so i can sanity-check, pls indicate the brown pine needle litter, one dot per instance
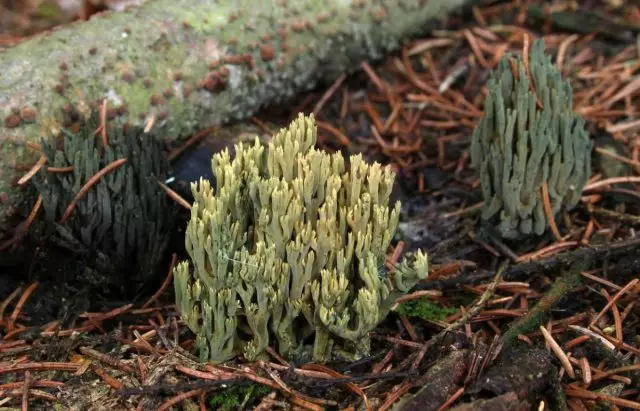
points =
(486, 301)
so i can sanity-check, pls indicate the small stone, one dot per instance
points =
(299, 25)
(240, 59)
(379, 14)
(28, 114)
(323, 17)
(267, 53)
(155, 100)
(214, 83)
(234, 15)
(12, 121)
(128, 77)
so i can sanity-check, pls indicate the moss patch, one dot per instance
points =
(425, 309)
(237, 397)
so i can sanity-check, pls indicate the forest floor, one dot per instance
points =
(546, 323)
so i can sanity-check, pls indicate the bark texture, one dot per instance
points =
(188, 63)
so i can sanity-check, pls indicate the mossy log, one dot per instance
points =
(189, 64)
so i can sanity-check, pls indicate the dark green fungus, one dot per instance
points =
(528, 136)
(123, 222)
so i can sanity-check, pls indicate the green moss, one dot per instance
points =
(47, 10)
(425, 309)
(237, 397)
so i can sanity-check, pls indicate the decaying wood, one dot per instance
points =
(188, 65)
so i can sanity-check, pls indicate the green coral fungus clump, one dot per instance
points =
(290, 246)
(519, 146)
(122, 225)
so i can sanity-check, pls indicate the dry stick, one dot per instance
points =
(327, 95)
(103, 124)
(525, 61)
(613, 180)
(619, 294)
(585, 369)
(104, 358)
(562, 50)
(192, 140)
(36, 167)
(482, 301)
(620, 158)
(92, 181)
(548, 210)
(178, 399)
(526, 269)
(617, 320)
(563, 285)
(622, 217)
(335, 132)
(579, 392)
(23, 299)
(108, 379)
(25, 391)
(7, 301)
(564, 360)
(21, 232)
(353, 387)
(174, 196)
(265, 128)
(280, 385)
(40, 366)
(453, 398)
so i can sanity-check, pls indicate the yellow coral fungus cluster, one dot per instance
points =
(288, 246)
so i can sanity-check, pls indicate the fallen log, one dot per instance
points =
(186, 64)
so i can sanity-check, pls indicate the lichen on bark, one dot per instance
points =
(189, 64)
